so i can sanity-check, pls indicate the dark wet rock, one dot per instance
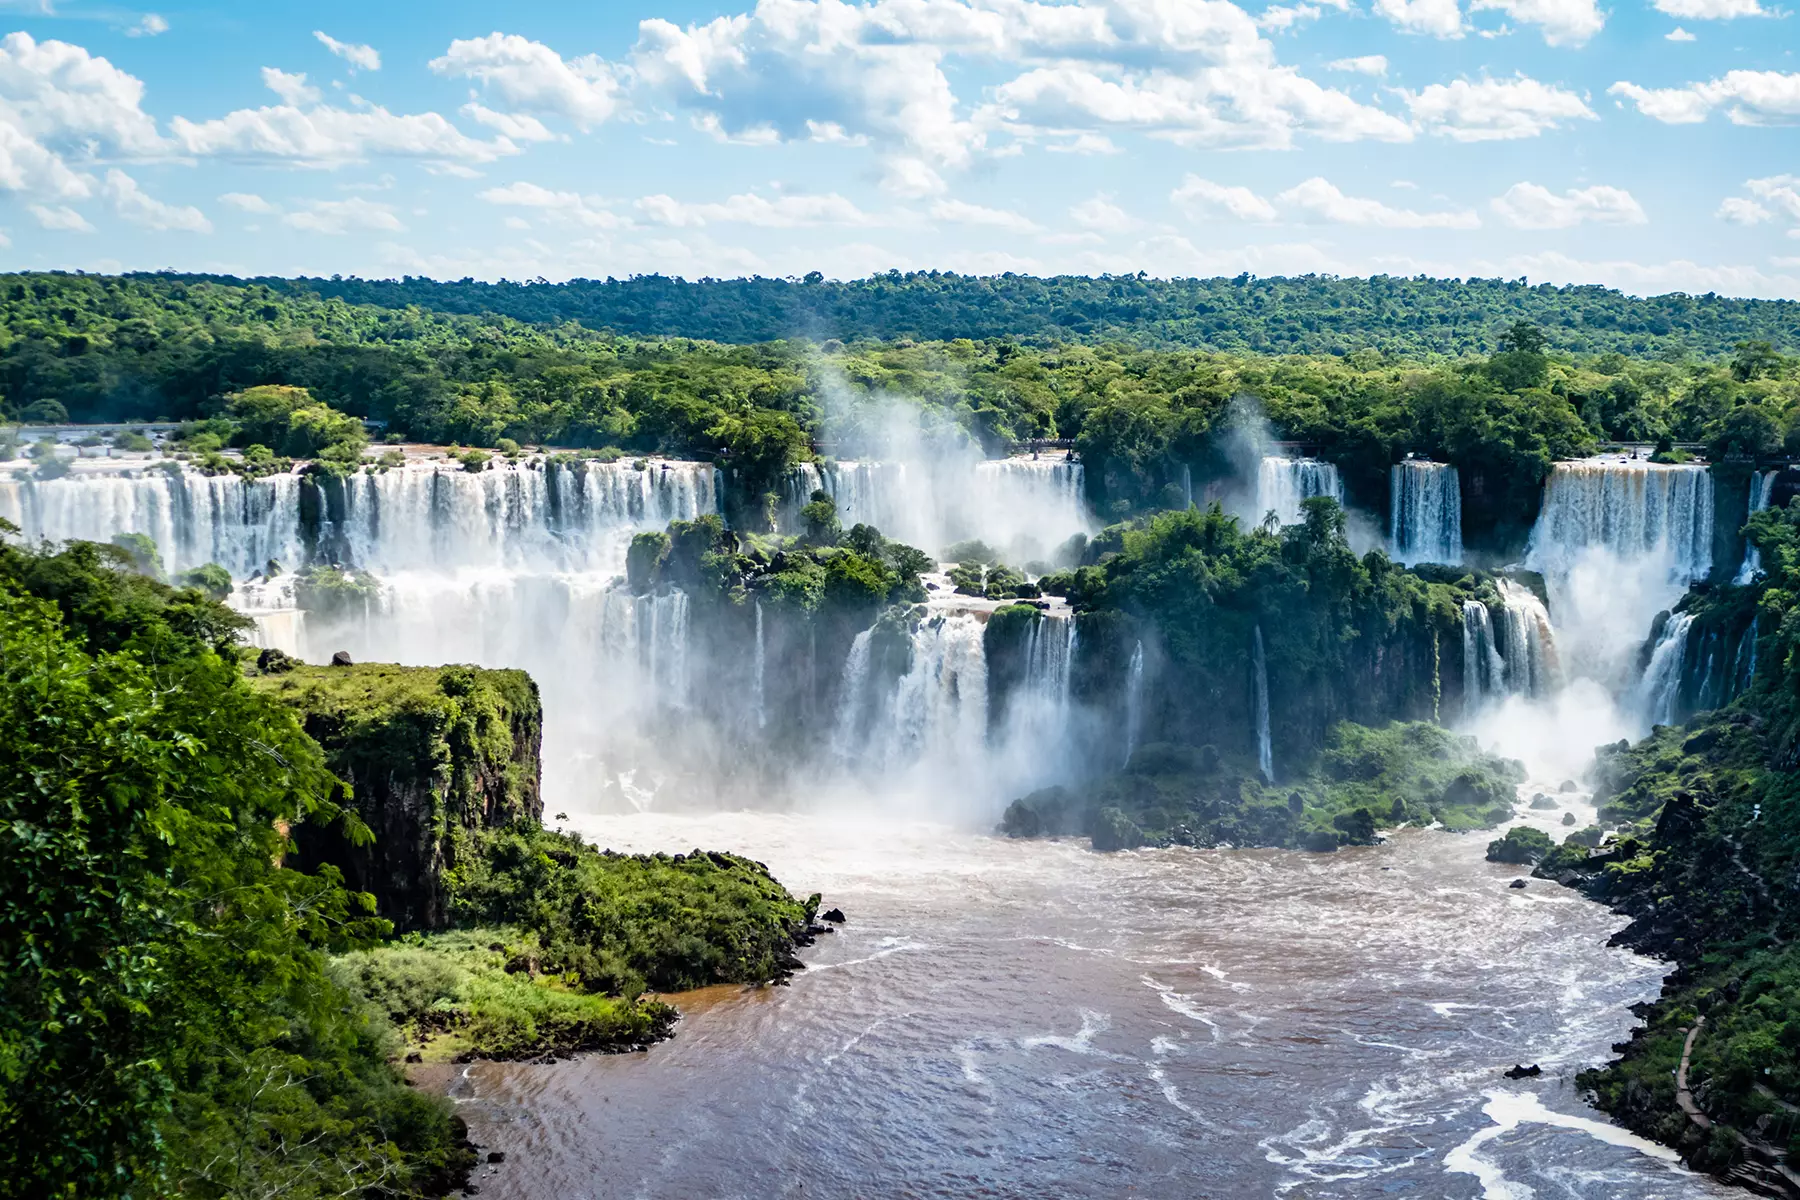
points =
(1518, 1071)
(1542, 802)
(1517, 883)
(496, 1156)
(1568, 818)
(414, 1056)
(834, 915)
(1568, 785)
(273, 662)
(341, 659)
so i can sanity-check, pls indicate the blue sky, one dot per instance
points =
(1647, 144)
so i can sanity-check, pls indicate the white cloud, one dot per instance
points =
(1781, 191)
(1748, 97)
(360, 57)
(748, 208)
(520, 127)
(1280, 17)
(341, 216)
(583, 210)
(149, 25)
(534, 78)
(1438, 18)
(302, 131)
(1495, 109)
(959, 212)
(912, 178)
(1321, 200)
(1366, 64)
(61, 219)
(140, 208)
(1740, 211)
(1100, 215)
(293, 89)
(1531, 206)
(247, 202)
(1678, 34)
(1711, 10)
(1201, 198)
(61, 107)
(1563, 22)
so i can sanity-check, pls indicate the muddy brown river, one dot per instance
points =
(1032, 1019)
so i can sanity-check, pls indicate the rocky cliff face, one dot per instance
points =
(423, 754)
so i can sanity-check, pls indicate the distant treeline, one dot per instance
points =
(1308, 314)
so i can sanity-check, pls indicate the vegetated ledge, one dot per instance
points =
(1409, 773)
(517, 942)
(1703, 863)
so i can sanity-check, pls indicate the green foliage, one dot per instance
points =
(168, 1025)
(213, 581)
(334, 592)
(140, 553)
(644, 560)
(290, 421)
(133, 441)
(1522, 844)
(616, 923)
(819, 520)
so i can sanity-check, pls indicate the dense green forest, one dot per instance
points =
(1310, 314)
(99, 348)
(194, 1005)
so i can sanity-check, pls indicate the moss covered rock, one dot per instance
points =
(421, 752)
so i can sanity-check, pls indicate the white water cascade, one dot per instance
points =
(1425, 512)
(757, 666)
(1024, 507)
(1134, 701)
(515, 566)
(1528, 642)
(1617, 542)
(1265, 752)
(931, 726)
(1484, 671)
(1282, 483)
(1658, 694)
(1762, 490)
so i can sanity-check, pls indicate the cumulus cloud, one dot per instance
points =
(748, 208)
(341, 216)
(1366, 64)
(1678, 34)
(590, 211)
(248, 202)
(303, 131)
(1436, 18)
(1711, 10)
(1562, 22)
(533, 78)
(1495, 109)
(1531, 206)
(148, 25)
(360, 58)
(520, 127)
(959, 212)
(1202, 198)
(1748, 98)
(140, 208)
(60, 108)
(60, 218)
(1279, 17)
(1098, 214)
(1740, 211)
(1320, 200)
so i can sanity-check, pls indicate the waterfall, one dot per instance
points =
(1425, 512)
(936, 715)
(1527, 642)
(1025, 507)
(1658, 695)
(1282, 483)
(1134, 700)
(756, 683)
(1039, 713)
(1187, 486)
(1484, 672)
(853, 700)
(1762, 490)
(1265, 753)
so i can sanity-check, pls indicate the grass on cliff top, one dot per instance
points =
(370, 694)
(482, 992)
(619, 923)
(1408, 773)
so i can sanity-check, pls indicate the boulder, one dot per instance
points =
(1518, 1071)
(834, 915)
(341, 659)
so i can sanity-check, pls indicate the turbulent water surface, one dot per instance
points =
(1033, 1019)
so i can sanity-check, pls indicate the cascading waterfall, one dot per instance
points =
(1025, 506)
(935, 718)
(1527, 641)
(1658, 694)
(1265, 751)
(1425, 512)
(1134, 700)
(1282, 483)
(1616, 543)
(757, 663)
(1484, 672)
(1762, 490)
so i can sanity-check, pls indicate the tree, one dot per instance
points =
(821, 520)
